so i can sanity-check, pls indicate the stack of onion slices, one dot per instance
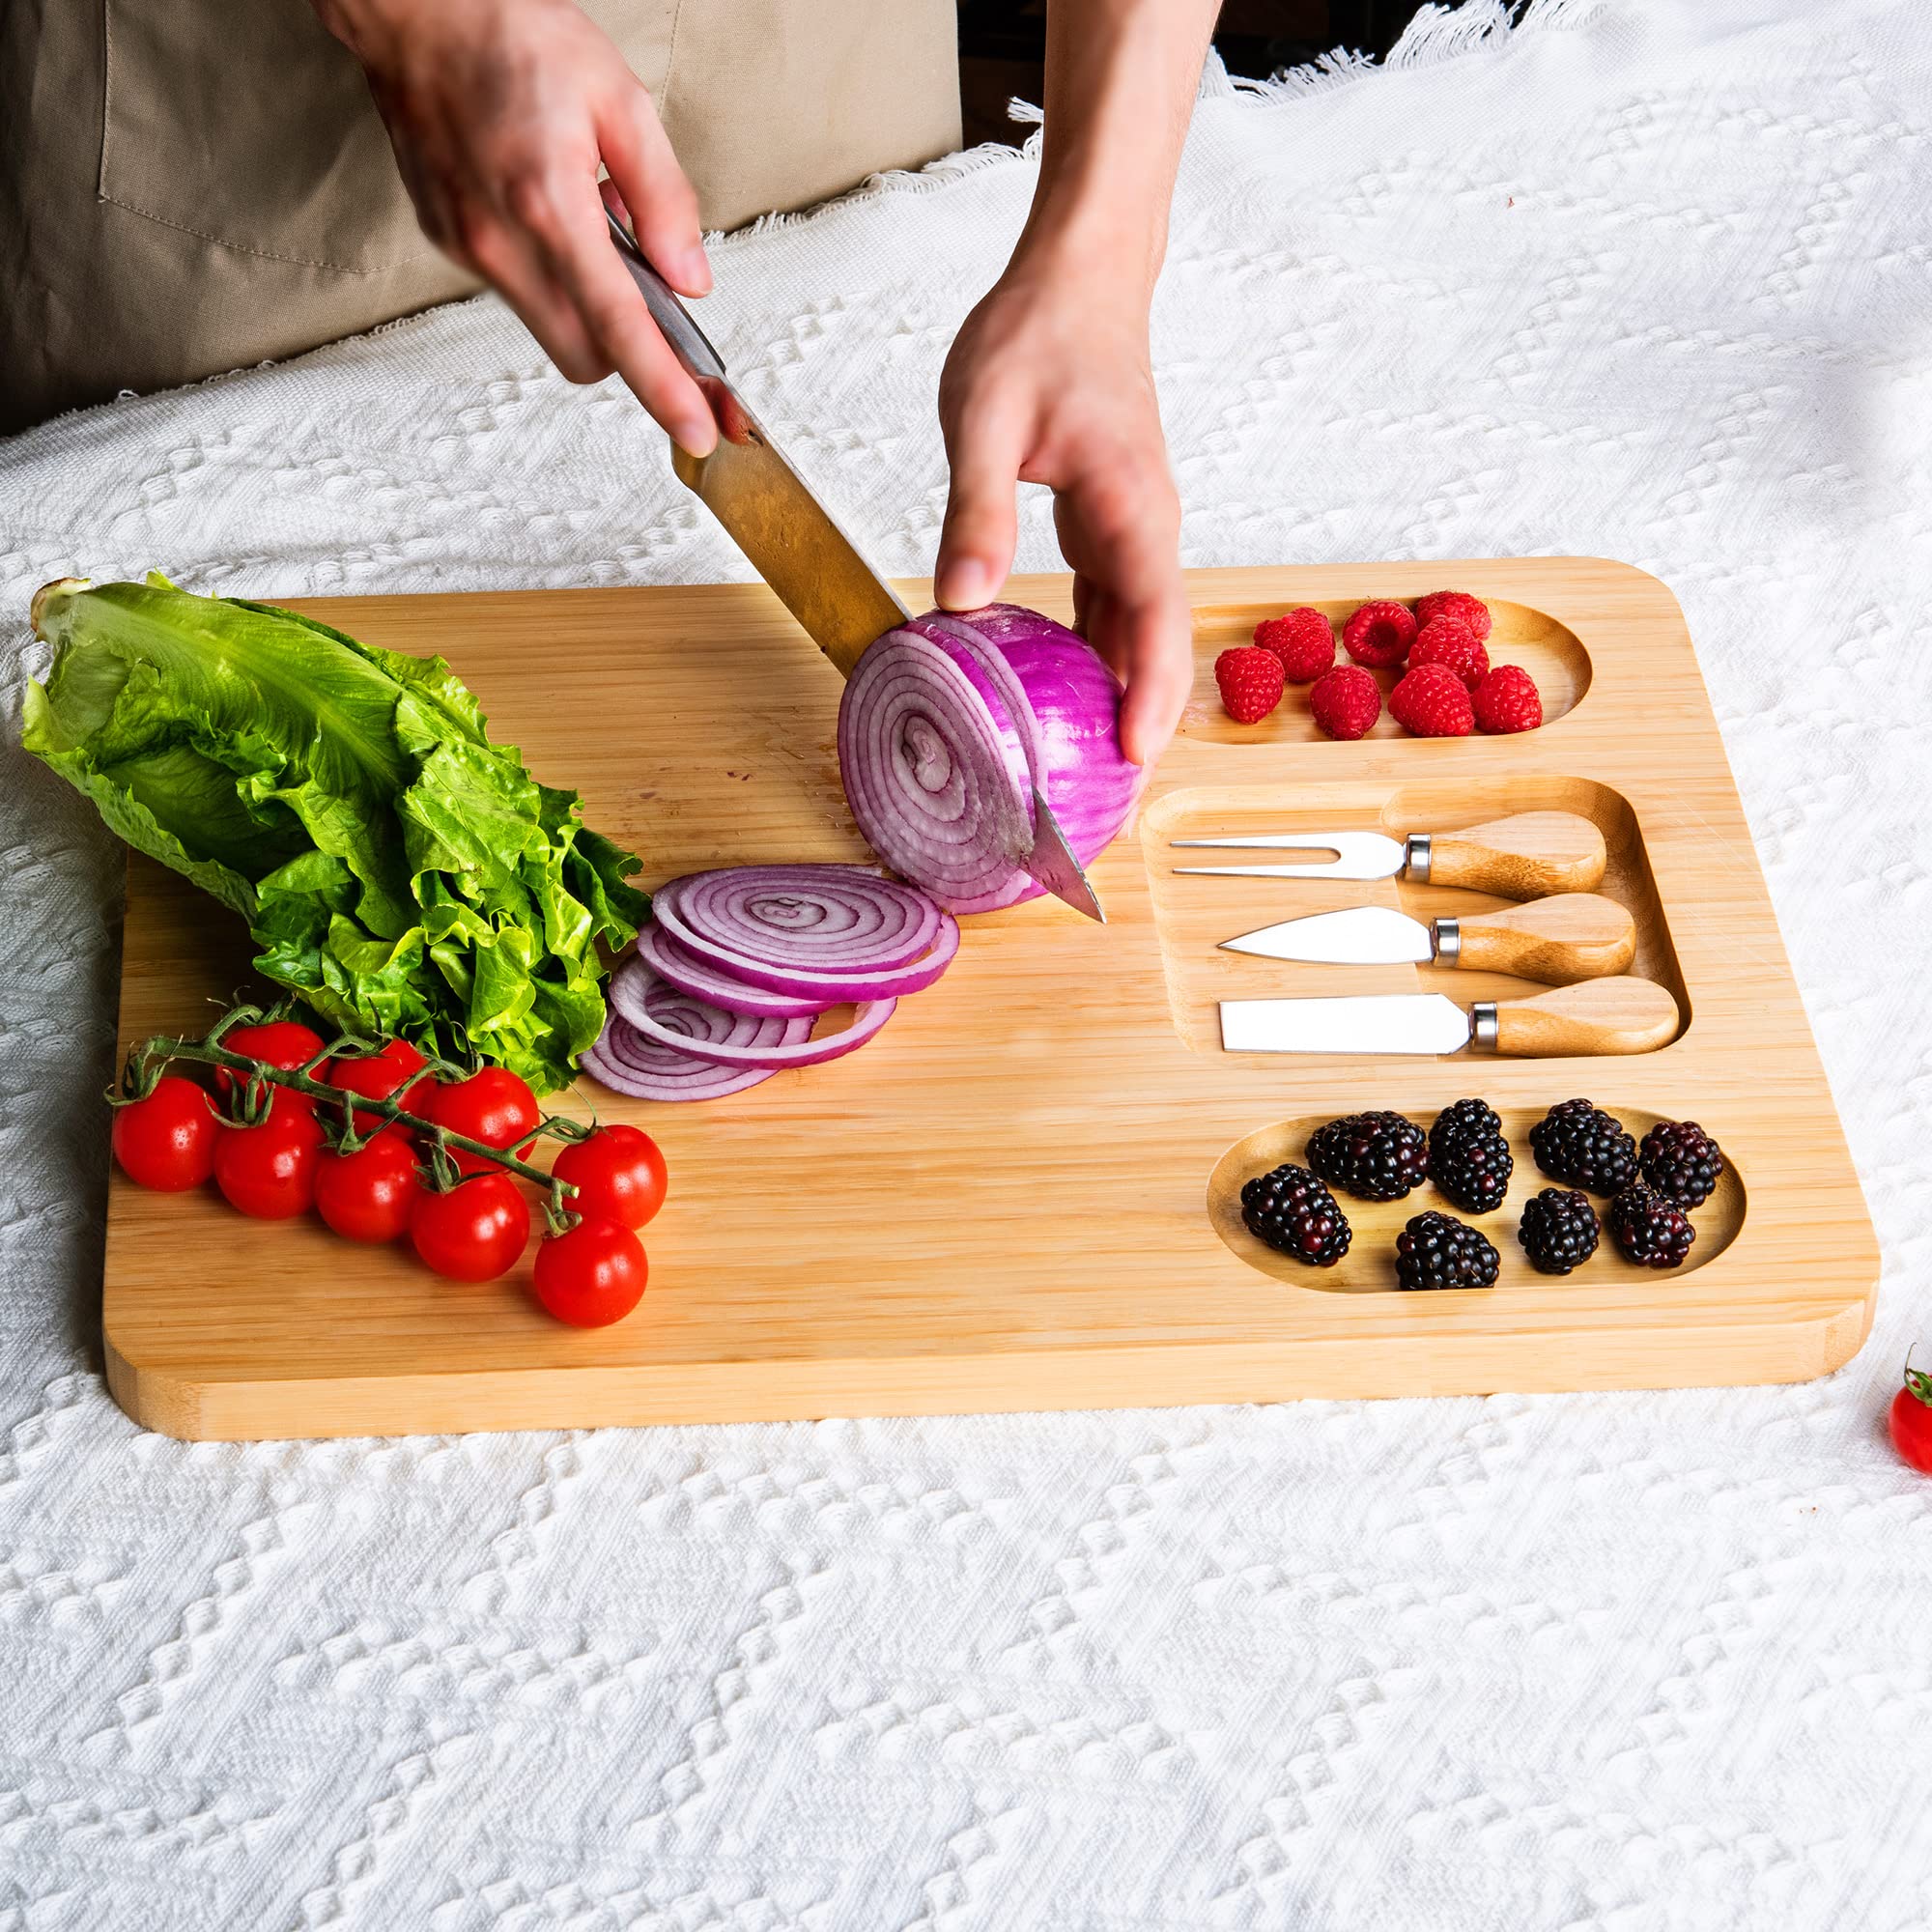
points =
(726, 982)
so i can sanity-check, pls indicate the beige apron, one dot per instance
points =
(193, 185)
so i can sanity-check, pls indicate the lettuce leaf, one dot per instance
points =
(399, 871)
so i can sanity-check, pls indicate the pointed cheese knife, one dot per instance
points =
(797, 547)
(1526, 856)
(1615, 1015)
(1559, 940)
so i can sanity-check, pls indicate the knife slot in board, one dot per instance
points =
(1195, 914)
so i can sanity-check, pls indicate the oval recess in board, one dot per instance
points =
(1543, 645)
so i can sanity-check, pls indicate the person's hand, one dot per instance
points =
(499, 112)
(1049, 383)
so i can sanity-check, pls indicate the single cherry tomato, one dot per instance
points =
(1911, 1419)
(381, 1076)
(473, 1233)
(492, 1106)
(370, 1194)
(592, 1275)
(167, 1141)
(618, 1174)
(268, 1171)
(284, 1043)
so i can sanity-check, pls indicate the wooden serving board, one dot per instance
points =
(1021, 1194)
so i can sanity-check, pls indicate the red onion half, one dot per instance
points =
(948, 723)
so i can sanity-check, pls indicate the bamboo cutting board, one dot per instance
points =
(1021, 1195)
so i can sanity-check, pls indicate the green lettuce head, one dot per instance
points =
(400, 873)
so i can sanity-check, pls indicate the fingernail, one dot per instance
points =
(697, 436)
(696, 273)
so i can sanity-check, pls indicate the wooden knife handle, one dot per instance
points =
(1526, 856)
(1559, 940)
(1620, 1015)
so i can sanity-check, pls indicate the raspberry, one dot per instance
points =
(1507, 700)
(1378, 635)
(1304, 639)
(1432, 702)
(1469, 611)
(1346, 701)
(1443, 641)
(1250, 680)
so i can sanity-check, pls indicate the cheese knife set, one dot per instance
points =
(1567, 936)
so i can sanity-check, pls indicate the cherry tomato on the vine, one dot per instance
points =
(284, 1043)
(382, 1075)
(268, 1171)
(1911, 1420)
(370, 1194)
(494, 1106)
(473, 1233)
(592, 1275)
(618, 1174)
(167, 1140)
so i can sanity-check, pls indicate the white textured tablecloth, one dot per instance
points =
(1649, 278)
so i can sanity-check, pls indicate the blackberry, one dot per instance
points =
(1558, 1231)
(1439, 1251)
(1466, 1117)
(1378, 1156)
(1583, 1147)
(1681, 1161)
(1651, 1230)
(1292, 1211)
(1468, 1158)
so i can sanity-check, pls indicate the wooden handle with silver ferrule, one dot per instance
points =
(1559, 940)
(1527, 856)
(1623, 1014)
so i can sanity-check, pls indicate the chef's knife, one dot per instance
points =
(1523, 857)
(1616, 1016)
(797, 546)
(1569, 937)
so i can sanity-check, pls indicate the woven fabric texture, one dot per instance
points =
(1645, 277)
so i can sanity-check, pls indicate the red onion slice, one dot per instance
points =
(723, 1050)
(674, 1076)
(652, 1054)
(829, 918)
(820, 989)
(703, 980)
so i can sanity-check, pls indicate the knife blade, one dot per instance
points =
(1359, 936)
(1617, 1014)
(798, 547)
(1564, 938)
(1353, 1023)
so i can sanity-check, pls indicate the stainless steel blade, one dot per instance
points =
(797, 546)
(1363, 1023)
(1358, 855)
(1051, 863)
(1360, 936)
